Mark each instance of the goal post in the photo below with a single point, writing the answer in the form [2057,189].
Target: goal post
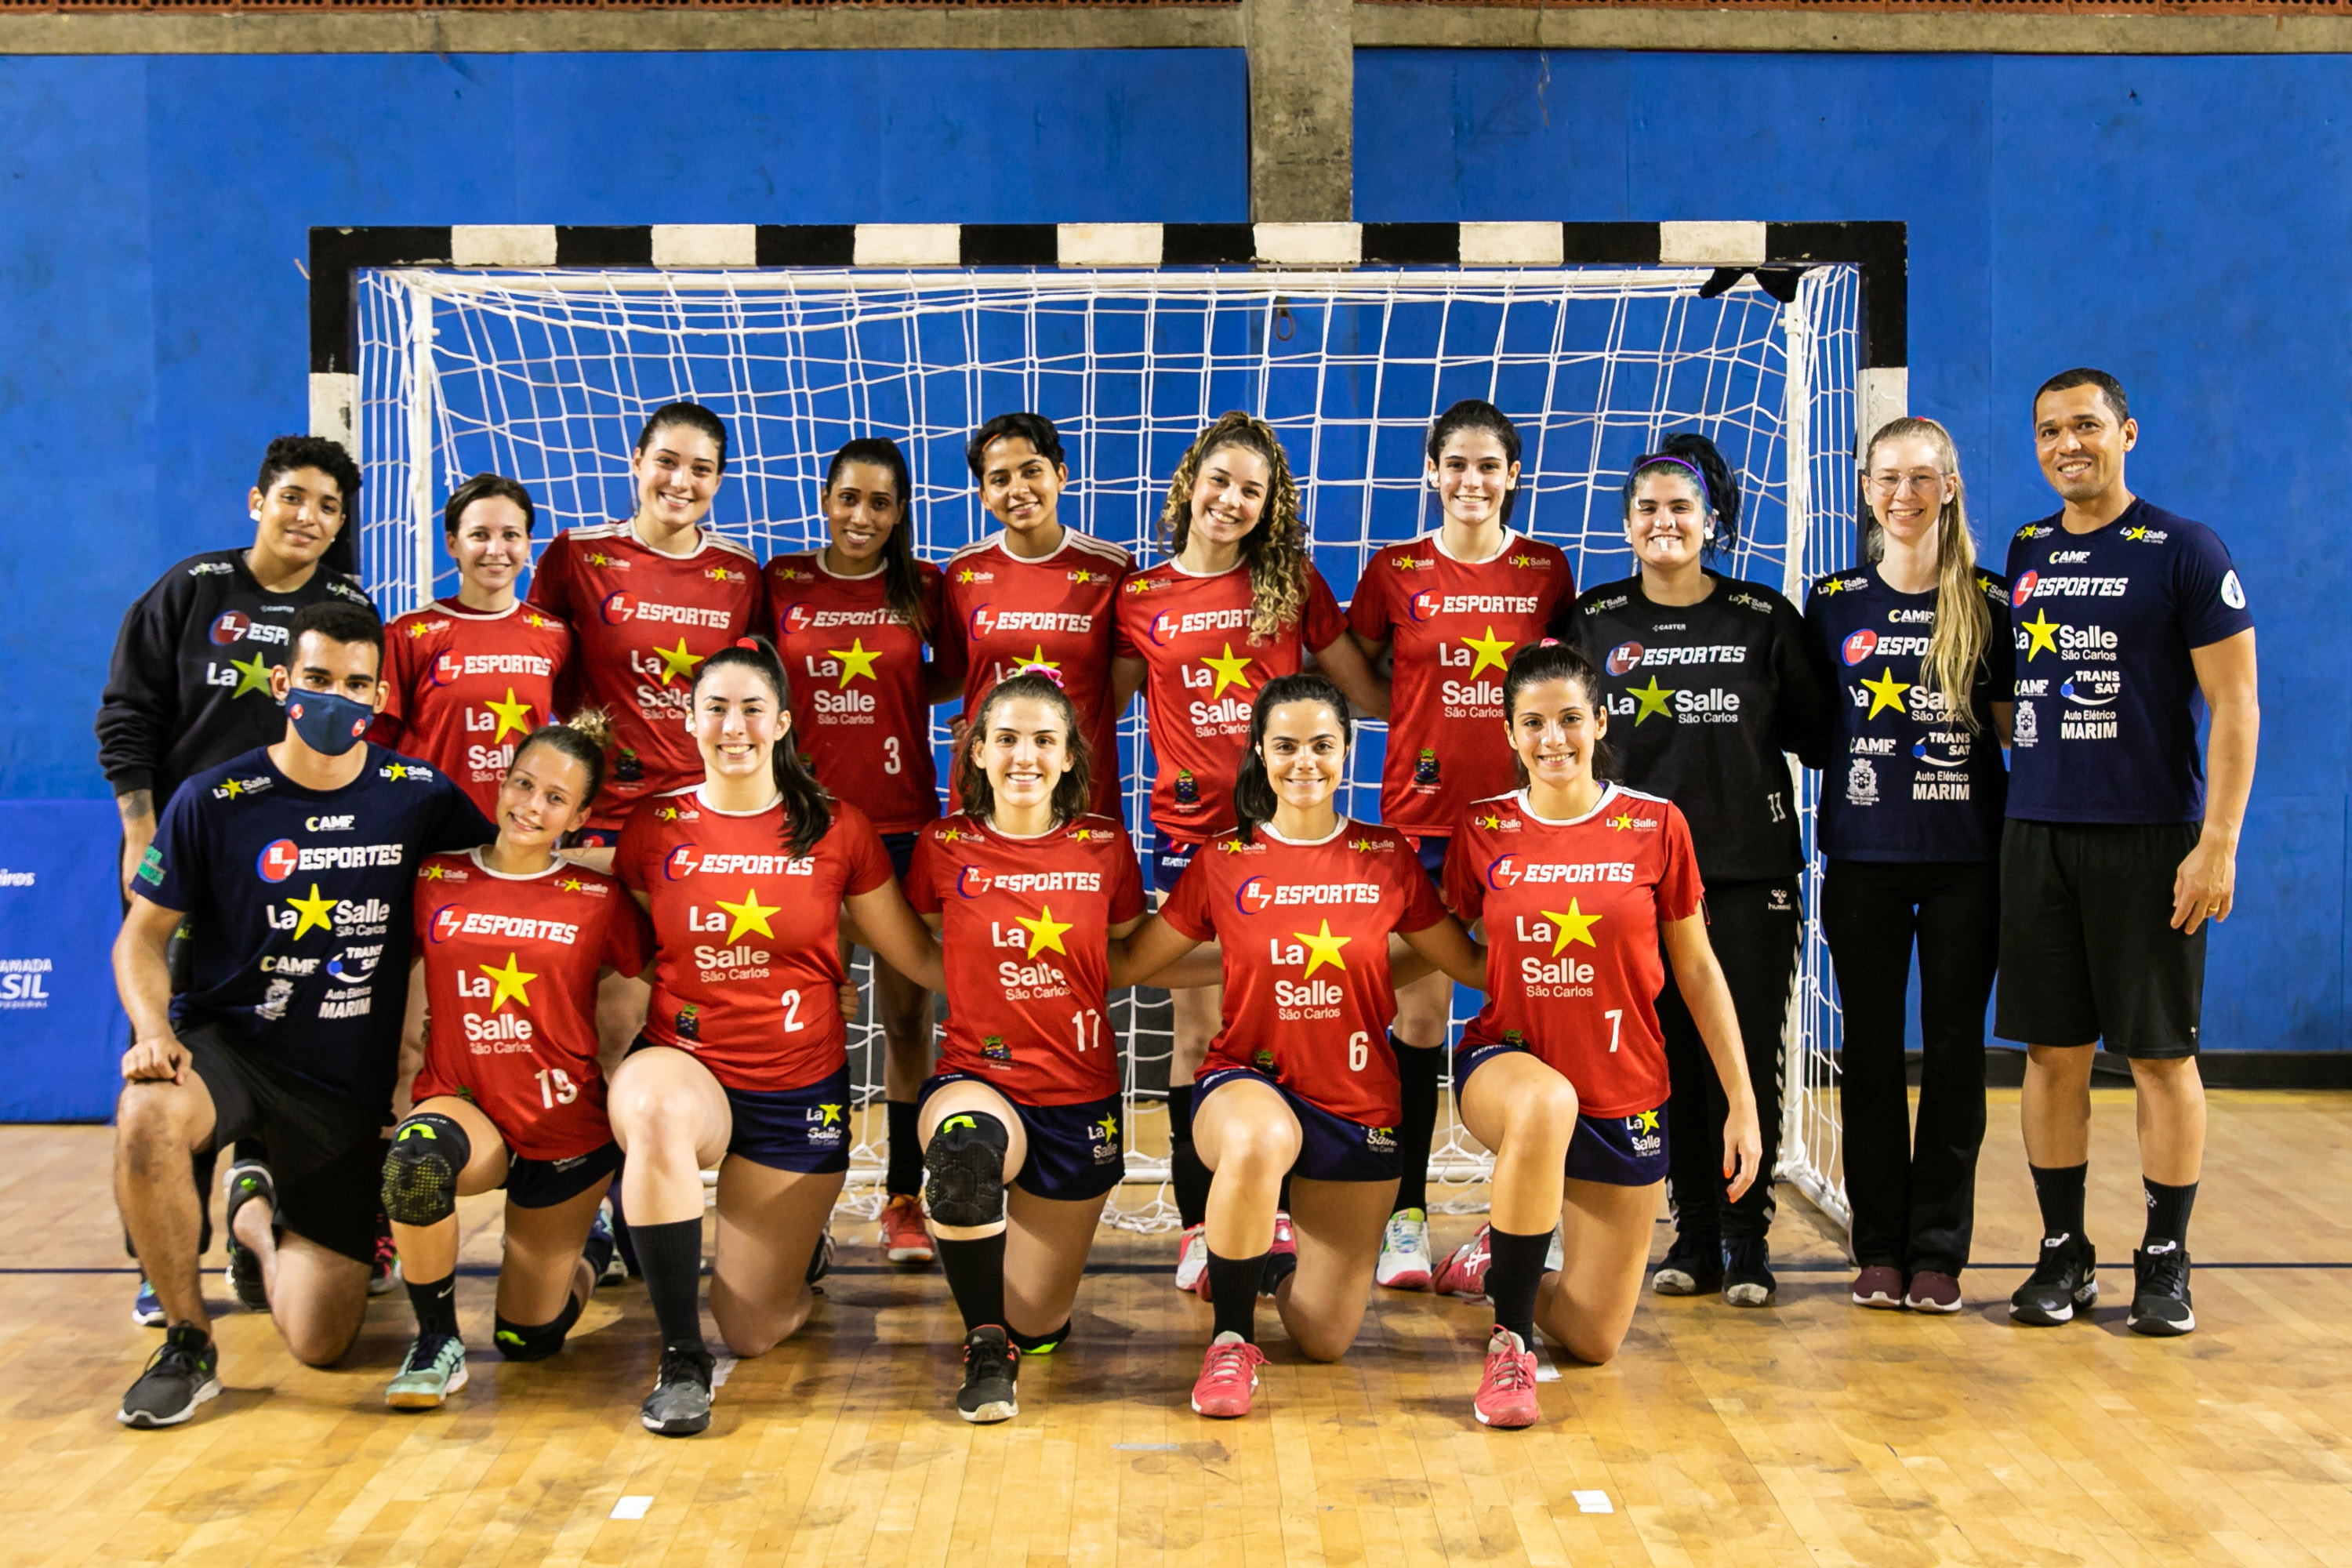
[536,351]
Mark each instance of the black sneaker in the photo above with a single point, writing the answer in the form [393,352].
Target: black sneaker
[247,1180]
[1692,1266]
[992,1371]
[2065,1279]
[679,1406]
[182,1374]
[2160,1292]
[819,1258]
[1747,1271]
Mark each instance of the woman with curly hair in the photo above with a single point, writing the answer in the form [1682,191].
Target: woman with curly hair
[1236,603]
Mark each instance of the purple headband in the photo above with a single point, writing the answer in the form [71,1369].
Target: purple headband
[1665,458]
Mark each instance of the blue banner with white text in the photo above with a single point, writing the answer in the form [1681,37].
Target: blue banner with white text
[62,1033]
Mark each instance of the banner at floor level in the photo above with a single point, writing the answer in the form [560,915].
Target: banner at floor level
[62,1033]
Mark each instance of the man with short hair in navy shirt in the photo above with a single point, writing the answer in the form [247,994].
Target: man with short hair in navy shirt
[2118,851]
[296,866]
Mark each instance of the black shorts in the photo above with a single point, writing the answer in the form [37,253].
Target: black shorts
[326,1154]
[1330,1148]
[900,847]
[804,1130]
[1430,848]
[543,1184]
[1171,858]
[1077,1153]
[1616,1150]
[2087,948]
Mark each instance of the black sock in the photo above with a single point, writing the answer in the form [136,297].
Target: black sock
[2059,1190]
[904,1175]
[671,1255]
[2168,1212]
[1232,1293]
[1185,1172]
[1418,1069]
[1514,1268]
[598,1252]
[436,1305]
[975,1272]
[1279,1266]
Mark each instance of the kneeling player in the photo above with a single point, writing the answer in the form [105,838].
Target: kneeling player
[510,942]
[1301,1080]
[1563,1074]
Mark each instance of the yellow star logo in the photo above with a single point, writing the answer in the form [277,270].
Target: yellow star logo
[1984,581]
[314,910]
[1229,672]
[573,885]
[1323,949]
[967,575]
[1574,926]
[511,714]
[396,771]
[1490,821]
[1107,1129]
[231,790]
[1834,585]
[1082,576]
[1649,1120]
[1038,658]
[952,834]
[433,873]
[508,983]
[1623,822]
[1044,931]
[1653,700]
[600,559]
[666,813]
[1523,559]
[1232,846]
[252,675]
[676,663]
[2139,532]
[856,660]
[2041,633]
[416,628]
[748,915]
[537,623]
[827,1115]
[1493,652]
[1885,692]
[1363,845]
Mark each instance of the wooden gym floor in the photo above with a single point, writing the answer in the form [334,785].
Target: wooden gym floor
[1813,1432]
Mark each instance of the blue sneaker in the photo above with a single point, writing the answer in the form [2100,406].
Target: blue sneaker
[146,1310]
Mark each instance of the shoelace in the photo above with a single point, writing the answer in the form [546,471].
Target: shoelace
[976,1353]
[2168,1272]
[1231,1363]
[2055,1266]
[1401,1235]
[1513,1374]
[177,1357]
[679,1365]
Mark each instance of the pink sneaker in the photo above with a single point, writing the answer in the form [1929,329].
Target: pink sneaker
[1229,1378]
[1507,1393]
[1464,1272]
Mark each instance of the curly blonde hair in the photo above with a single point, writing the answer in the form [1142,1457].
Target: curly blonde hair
[1275,550]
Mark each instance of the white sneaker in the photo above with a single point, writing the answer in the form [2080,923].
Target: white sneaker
[1405,1252]
[1554,1259]
[1192,1260]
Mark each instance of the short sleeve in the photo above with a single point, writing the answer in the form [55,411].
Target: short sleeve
[1320,624]
[1187,908]
[551,579]
[1123,640]
[1423,908]
[922,871]
[861,847]
[389,718]
[2207,593]
[1126,883]
[1803,686]
[628,937]
[176,864]
[1680,892]
[1368,612]
[1465,890]
[629,855]
[933,585]
[1996,670]
[459,823]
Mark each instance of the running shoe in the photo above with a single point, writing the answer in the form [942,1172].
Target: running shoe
[1193,1261]
[1878,1286]
[247,1180]
[433,1369]
[1228,1377]
[904,1239]
[1281,1260]
[384,1273]
[992,1372]
[1933,1291]
[602,1252]
[182,1374]
[2066,1277]
[2160,1292]
[1748,1272]
[1692,1266]
[1555,1256]
[1507,1393]
[679,1406]
[1464,1272]
[147,1307]
[1405,1252]
[821,1259]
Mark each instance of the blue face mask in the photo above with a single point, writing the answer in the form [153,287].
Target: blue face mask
[329,724]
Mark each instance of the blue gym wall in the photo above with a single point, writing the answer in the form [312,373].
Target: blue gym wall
[2127,212]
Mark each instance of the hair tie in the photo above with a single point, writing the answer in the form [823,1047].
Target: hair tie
[1549,642]
[752,643]
[1047,671]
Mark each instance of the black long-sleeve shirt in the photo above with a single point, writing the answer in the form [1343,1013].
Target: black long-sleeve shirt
[189,685]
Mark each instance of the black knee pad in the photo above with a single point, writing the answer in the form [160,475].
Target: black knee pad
[420,1173]
[964,1168]
[1041,1344]
[536,1342]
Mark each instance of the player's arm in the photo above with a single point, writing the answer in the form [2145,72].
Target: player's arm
[1344,663]
[1701,980]
[2004,721]
[883,922]
[1153,952]
[2206,885]
[596,858]
[136,712]
[143,980]
[1127,678]
[1447,946]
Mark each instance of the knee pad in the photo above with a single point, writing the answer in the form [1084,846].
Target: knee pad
[536,1342]
[1041,1344]
[964,1170]
[420,1172]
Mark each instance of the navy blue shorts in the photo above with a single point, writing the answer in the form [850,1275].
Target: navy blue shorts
[543,1184]
[804,1130]
[1616,1150]
[1330,1148]
[900,847]
[1430,849]
[1076,1151]
[1169,857]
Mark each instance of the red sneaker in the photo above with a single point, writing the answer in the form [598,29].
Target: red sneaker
[1507,1393]
[1464,1272]
[1285,1245]
[1229,1377]
[904,1239]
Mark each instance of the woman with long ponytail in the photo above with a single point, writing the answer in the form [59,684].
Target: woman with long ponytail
[1910,827]
[743,1064]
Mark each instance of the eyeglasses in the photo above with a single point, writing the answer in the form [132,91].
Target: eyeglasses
[1895,484]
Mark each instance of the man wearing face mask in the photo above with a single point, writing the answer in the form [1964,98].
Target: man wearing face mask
[294,865]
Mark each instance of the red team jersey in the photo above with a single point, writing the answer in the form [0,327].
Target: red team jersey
[645,622]
[1572,911]
[510,967]
[856,675]
[750,970]
[1205,672]
[1305,929]
[1454,626]
[1004,611]
[463,688]
[1024,927]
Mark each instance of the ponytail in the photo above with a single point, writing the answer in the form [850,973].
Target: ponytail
[1253,790]
[1693,457]
[808,810]
[585,738]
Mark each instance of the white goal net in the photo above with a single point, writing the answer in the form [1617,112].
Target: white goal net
[546,374]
